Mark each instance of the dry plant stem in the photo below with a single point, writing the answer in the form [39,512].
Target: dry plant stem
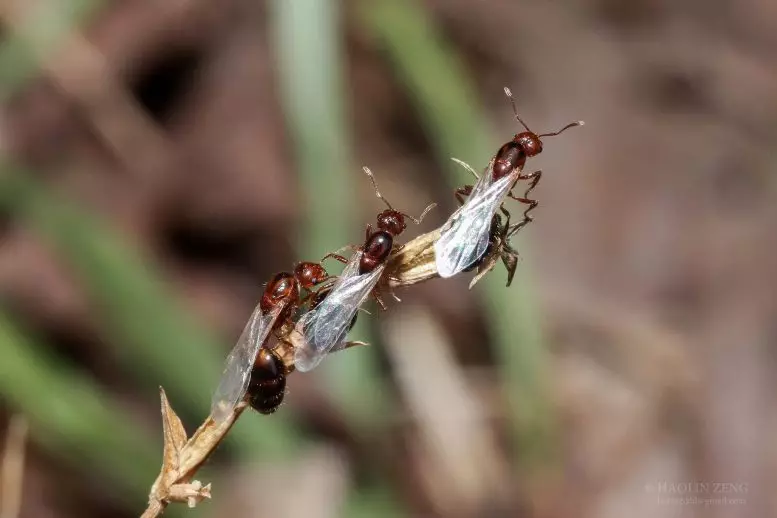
[414,263]
[183,457]
[12,474]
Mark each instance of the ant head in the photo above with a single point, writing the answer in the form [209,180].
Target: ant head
[528,140]
[310,274]
[392,222]
[530,143]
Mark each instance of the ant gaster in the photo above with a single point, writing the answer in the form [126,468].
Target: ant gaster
[268,382]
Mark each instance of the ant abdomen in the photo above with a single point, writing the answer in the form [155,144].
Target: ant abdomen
[268,382]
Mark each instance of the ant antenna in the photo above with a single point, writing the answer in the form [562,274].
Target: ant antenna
[570,125]
[375,184]
[509,95]
[417,221]
[420,218]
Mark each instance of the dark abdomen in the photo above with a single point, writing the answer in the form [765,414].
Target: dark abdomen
[268,383]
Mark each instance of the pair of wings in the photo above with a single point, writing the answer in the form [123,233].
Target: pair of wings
[327,325]
[237,368]
[322,329]
[464,237]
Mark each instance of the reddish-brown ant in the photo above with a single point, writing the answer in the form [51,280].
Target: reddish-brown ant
[267,384]
[379,244]
[512,155]
[286,288]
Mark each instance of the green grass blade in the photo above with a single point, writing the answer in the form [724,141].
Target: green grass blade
[445,98]
[43,33]
[309,45]
[435,79]
[155,339]
[72,418]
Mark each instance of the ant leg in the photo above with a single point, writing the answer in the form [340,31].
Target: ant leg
[507,216]
[527,218]
[483,269]
[379,300]
[391,288]
[346,345]
[397,281]
[461,192]
[324,284]
[367,232]
[328,279]
[535,179]
[336,254]
[531,203]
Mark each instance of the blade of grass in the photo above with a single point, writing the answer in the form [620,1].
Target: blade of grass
[446,101]
[154,338]
[435,79]
[46,25]
[375,500]
[71,417]
[309,46]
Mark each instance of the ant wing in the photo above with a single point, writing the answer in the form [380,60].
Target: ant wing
[464,237]
[326,327]
[485,180]
[237,368]
[351,269]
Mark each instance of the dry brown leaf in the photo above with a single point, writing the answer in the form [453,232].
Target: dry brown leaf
[174,440]
[182,458]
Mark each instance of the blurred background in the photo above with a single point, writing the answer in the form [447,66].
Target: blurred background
[161,160]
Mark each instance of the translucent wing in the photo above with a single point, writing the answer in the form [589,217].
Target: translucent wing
[326,326]
[464,237]
[237,369]
[485,180]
